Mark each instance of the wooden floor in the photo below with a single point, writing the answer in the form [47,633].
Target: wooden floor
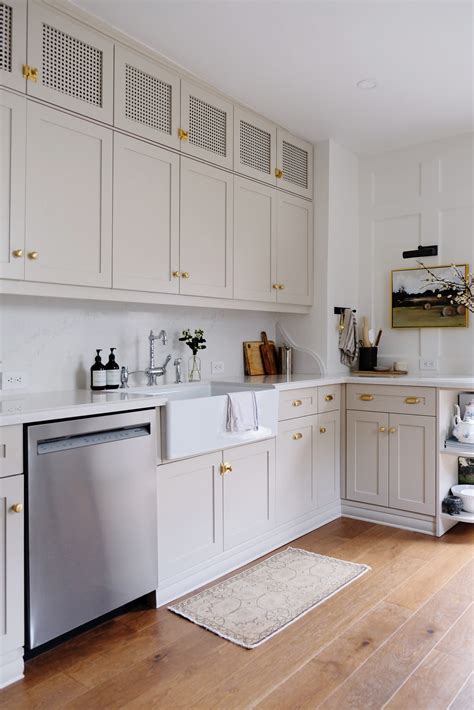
[400,637]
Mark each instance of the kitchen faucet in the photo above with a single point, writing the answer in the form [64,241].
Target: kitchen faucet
[153,371]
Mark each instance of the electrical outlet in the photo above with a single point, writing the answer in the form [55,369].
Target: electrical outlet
[13,380]
[217,367]
[428,363]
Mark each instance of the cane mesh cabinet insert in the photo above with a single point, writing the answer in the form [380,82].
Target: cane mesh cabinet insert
[147,99]
[6,13]
[12,44]
[254,146]
[206,125]
[294,160]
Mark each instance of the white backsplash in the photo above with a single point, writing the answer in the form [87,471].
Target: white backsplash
[53,341]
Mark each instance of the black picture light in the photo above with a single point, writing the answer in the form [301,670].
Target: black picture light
[421,251]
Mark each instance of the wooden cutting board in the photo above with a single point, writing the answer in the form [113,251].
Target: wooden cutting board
[269,355]
[253,357]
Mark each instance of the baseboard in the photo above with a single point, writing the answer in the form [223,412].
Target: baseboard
[227,562]
[425,525]
[11,667]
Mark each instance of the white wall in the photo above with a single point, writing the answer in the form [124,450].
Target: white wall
[419,195]
[53,341]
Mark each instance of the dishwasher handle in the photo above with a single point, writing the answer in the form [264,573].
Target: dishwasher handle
[95,438]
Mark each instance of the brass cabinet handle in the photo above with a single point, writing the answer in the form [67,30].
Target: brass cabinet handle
[393,430]
[412,400]
[296,403]
[176,274]
[17,507]
[328,397]
[17,253]
[297,435]
[278,173]
[33,255]
[185,274]
[382,429]
[30,73]
[366,397]
[182,134]
[323,430]
[225,468]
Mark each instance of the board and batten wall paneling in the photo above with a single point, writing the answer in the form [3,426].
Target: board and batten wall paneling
[418,195]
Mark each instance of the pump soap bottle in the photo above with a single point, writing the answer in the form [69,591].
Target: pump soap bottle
[112,372]
[98,376]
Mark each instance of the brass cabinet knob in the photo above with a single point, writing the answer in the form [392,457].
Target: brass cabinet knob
[185,274]
[17,507]
[225,468]
[276,286]
[30,73]
[33,255]
[182,134]
[366,397]
[393,430]
[328,397]
[17,253]
[412,400]
[297,435]
[278,173]
[296,403]
[382,429]
[323,430]
[281,286]
[176,274]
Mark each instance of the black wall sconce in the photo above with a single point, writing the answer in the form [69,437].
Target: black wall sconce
[421,251]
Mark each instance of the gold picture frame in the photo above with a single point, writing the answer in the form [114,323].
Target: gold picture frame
[414,304]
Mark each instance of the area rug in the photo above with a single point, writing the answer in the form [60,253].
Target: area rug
[252,606]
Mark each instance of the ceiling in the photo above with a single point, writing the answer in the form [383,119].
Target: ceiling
[298,61]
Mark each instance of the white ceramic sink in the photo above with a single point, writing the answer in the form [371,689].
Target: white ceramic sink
[194,418]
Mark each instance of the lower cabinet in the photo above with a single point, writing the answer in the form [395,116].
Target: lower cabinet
[328,453]
[11,567]
[391,460]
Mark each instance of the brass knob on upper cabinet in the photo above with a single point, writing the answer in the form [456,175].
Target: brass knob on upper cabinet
[17,507]
[182,134]
[297,435]
[176,274]
[30,73]
[278,173]
[17,253]
[185,274]
[382,429]
[323,430]
[33,255]
[392,430]
[328,397]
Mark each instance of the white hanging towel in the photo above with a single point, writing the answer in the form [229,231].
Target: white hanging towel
[242,412]
[348,343]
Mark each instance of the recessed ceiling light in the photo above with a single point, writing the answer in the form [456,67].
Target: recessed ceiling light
[366,84]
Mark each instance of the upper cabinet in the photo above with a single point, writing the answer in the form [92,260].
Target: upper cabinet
[69,64]
[12,43]
[206,125]
[294,170]
[147,99]
[294,250]
[254,146]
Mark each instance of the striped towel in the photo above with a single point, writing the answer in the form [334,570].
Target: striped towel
[348,343]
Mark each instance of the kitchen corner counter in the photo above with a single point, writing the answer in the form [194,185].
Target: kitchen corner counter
[294,381]
[21,407]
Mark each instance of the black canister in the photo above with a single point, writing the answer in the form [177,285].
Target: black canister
[367,358]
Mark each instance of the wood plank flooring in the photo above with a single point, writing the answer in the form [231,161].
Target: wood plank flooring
[400,637]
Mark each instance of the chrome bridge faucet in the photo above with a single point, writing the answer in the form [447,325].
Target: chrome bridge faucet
[153,371]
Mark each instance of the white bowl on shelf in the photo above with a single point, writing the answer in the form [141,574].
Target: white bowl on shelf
[466,493]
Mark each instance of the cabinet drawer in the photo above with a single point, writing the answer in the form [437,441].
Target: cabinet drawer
[329,398]
[388,398]
[298,403]
[11,450]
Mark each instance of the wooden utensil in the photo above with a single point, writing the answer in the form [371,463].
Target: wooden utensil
[365,333]
[253,358]
[377,339]
[269,355]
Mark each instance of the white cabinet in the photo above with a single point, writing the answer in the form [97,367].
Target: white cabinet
[328,447]
[255,211]
[294,168]
[147,98]
[12,185]
[11,450]
[296,461]
[294,250]
[249,492]
[12,43]
[68,199]
[74,63]
[206,125]
[11,570]
[146,216]
[206,227]
[367,457]
[190,526]
[412,455]
[254,146]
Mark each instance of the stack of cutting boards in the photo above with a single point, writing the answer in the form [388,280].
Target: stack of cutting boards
[260,357]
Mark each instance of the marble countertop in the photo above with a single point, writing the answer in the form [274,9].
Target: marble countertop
[284,382]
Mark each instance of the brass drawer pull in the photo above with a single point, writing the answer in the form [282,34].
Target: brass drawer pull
[17,507]
[298,435]
[328,397]
[225,468]
[323,430]
[412,400]
[366,397]
[296,403]
[392,430]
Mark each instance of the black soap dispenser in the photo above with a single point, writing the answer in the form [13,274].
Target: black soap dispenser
[112,372]
[98,376]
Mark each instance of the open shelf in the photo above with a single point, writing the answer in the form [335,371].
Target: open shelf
[457,448]
[461,517]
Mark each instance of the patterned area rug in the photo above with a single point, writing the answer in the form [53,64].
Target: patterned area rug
[252,606]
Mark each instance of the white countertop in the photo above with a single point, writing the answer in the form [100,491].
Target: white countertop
[21,407]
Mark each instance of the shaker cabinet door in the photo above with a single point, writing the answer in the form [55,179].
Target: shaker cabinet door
[367,457]
[12,43]
[294,250]
[146,216]
[328,474]
[12,521]
[296,463]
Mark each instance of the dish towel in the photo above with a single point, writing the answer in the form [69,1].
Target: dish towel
[348,343]
[242,411]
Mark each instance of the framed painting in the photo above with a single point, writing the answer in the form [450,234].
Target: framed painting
[420,302]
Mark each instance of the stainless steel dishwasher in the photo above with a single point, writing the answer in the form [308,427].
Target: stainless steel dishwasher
[92,532]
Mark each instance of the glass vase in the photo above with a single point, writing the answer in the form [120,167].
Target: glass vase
[194,369]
